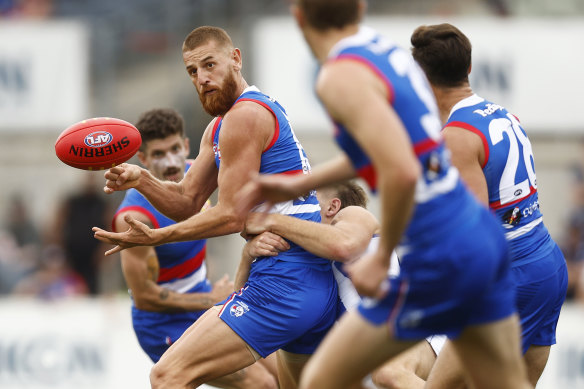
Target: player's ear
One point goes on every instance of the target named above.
(141, 157)
(334, 207)
(297, 14)
(187, 146)
(236, 57)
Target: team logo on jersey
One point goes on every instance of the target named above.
(216, 151)
(238, 309)
(512, 217)
(98, 139)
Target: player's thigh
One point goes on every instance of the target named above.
(491, 354)
(290, 366)
(207, 350)
(352, 349)
(447, 372)
(536, 358)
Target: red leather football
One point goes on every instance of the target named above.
(98, 143)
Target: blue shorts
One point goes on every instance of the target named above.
(284, 305)
(541, 291)
(156, 331)
(459, 280)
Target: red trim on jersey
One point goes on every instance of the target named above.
(425, 146)
(215, 127)
(184, 269)
(230, 300)
(276, 130)
(475, 130)
(136, 208)
(369, 175)
(400, 300)
(497, 204)
(291, 172)
(375, 69)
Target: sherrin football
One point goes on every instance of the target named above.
(98, 143)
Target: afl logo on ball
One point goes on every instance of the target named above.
(98, 139)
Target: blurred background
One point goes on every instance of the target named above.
(64, 307)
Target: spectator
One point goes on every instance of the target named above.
(53, 278)
(79, 213)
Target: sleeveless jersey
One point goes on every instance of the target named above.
(284, 155)
(441, 200)
(182, 264)
(509, 171)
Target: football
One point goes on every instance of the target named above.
(98, 143)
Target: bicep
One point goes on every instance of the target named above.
(358, 226)
(465, 148)
(201, 179)
(242, 141)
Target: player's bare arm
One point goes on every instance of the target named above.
(246, 131)
(378, 130)
(180, 200)
(264, 245)
(344, 240)
(277, 188)
(141, 269)
(468, 155)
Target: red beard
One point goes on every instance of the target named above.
(222, 100)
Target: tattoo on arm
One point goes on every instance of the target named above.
(164, 294)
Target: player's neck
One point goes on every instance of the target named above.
(321, 42)
(449, 97)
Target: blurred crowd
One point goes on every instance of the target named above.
(62, 259)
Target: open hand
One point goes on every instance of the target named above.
(139, 234)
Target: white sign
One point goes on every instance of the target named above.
(43, 75)
(530, 66)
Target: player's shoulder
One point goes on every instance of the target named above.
(354, 213)
(248, 119)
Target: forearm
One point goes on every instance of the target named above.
(397, 204)
(159, 299)
(336, 170)
(217, 221)
(243, 270)
(169, 197)
(323, 240)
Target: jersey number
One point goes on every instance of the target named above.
(508, 190)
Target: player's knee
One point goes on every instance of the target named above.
(388, 378)
(161, 377)
(267, 381)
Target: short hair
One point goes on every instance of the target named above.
(159, 123)
(326, 14)
(201, 35)
(350, 193)
(444, 53)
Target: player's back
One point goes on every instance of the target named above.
(440, 198)
(509, 170)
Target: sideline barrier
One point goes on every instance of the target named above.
(89, 344)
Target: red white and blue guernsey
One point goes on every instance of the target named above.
(537, 263)
(454, 263)
(182, 269)
(290, 300)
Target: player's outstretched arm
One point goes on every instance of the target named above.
(141, 269)
(274, 188)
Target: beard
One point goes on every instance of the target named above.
(222, 100)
